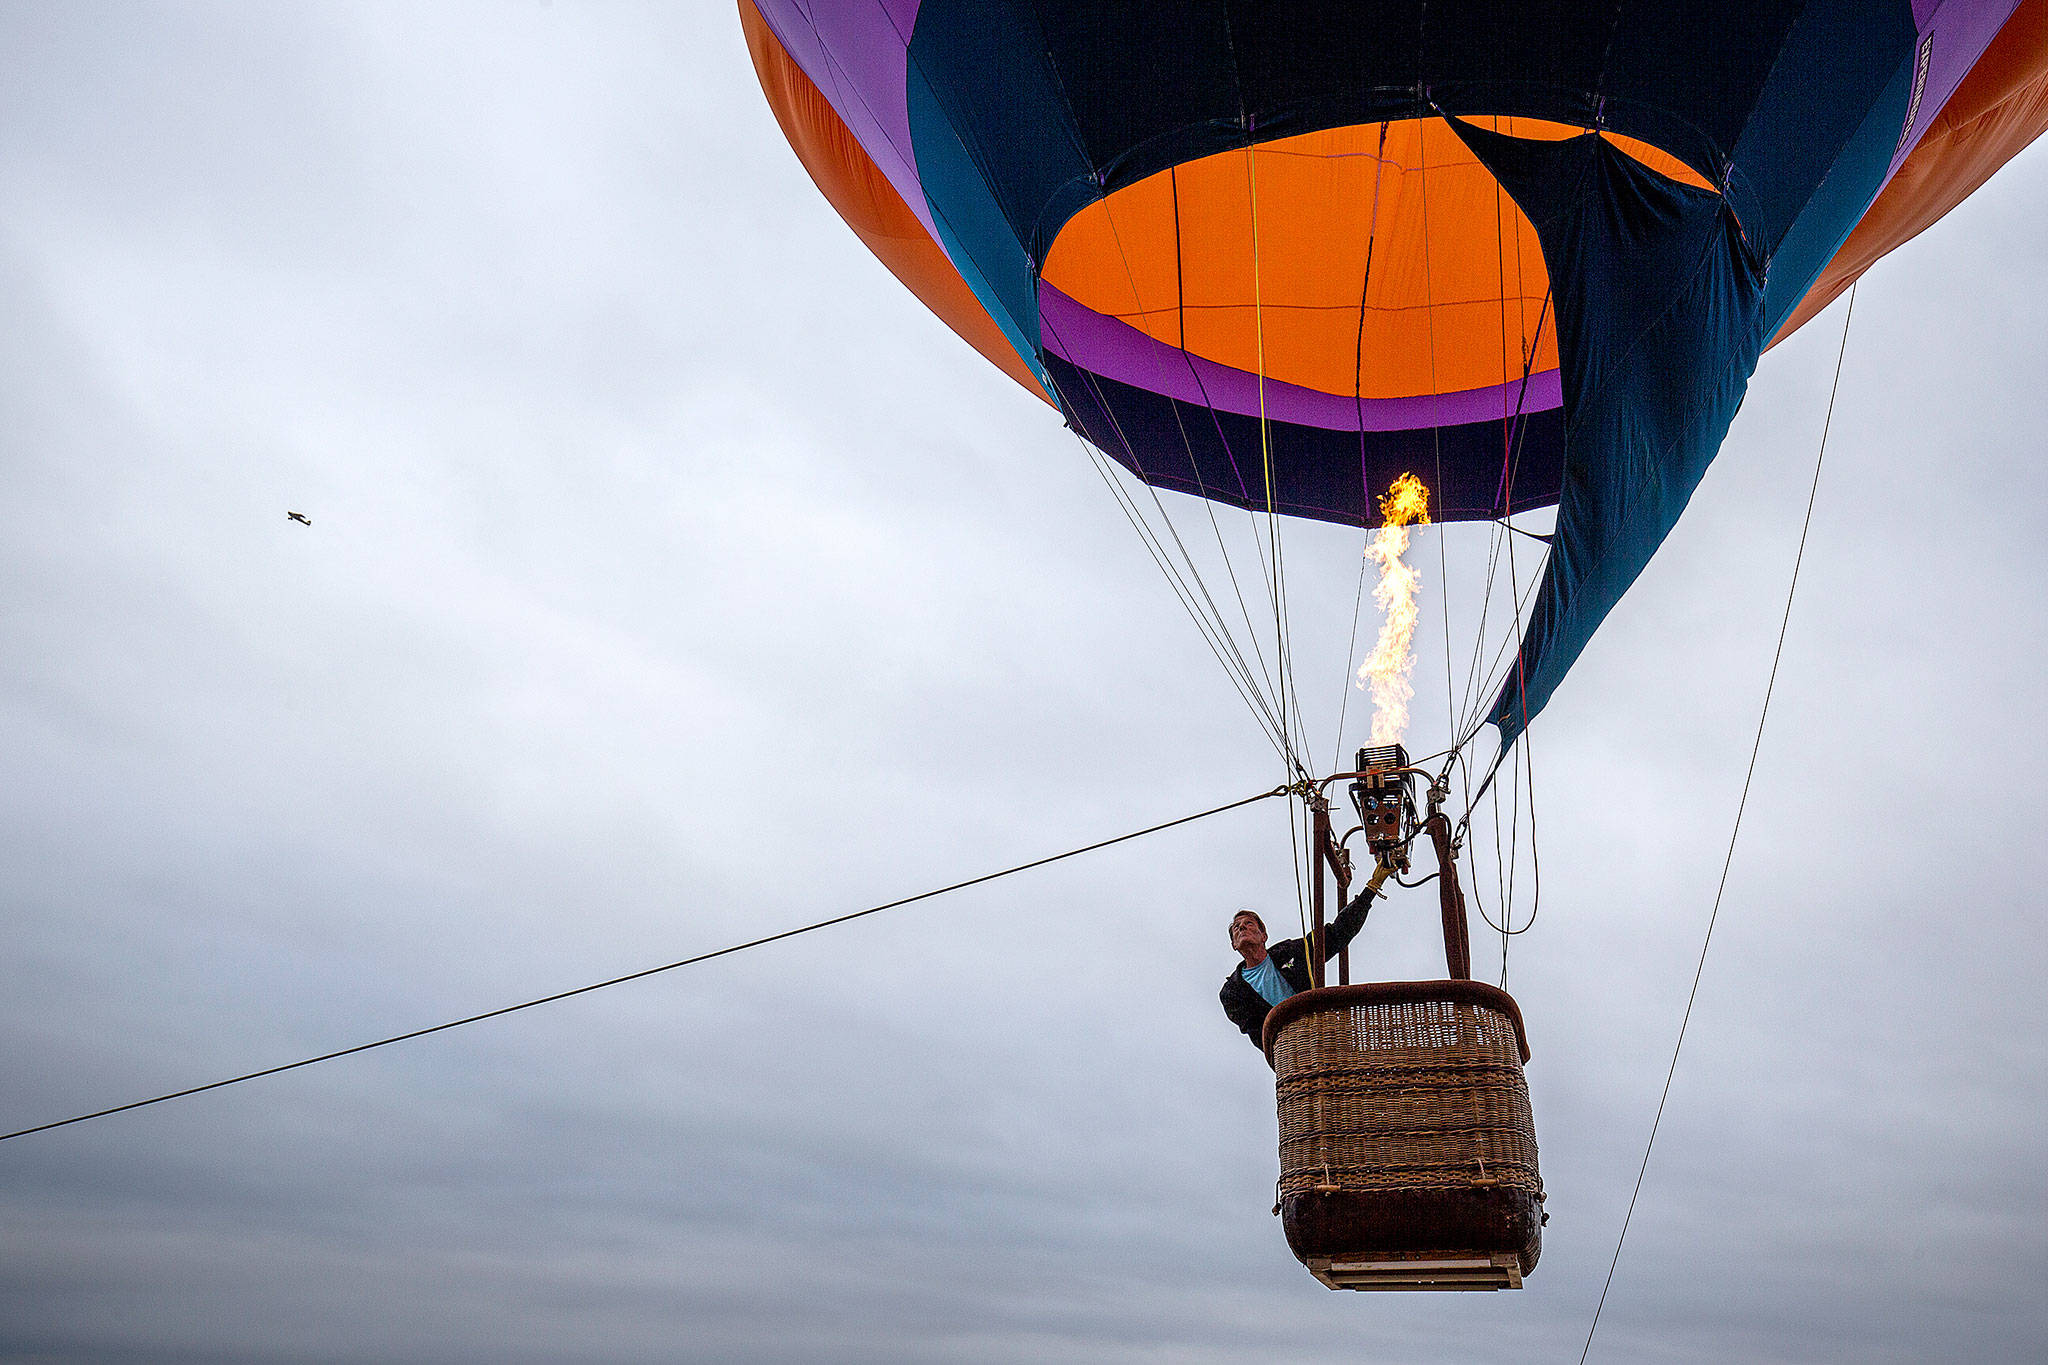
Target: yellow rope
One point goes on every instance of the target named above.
(1259, 328)
(1285, 689)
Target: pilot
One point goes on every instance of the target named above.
(1269, 975)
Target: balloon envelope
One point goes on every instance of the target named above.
(1277, 252)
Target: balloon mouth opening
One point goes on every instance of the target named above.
(1376, 261)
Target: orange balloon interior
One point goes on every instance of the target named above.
(1379, 260)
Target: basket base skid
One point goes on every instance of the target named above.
(1449, 1271)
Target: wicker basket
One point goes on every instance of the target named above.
(1407, 1149)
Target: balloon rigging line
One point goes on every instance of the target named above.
(1453, 711)
(1230, 569)
(1283, 659)
(1784, 623)
(1194, 466)
(1181, 593)
(1436, 433)
(1528, 362)
(1500, 864)
(1222, 626)
(1237, 672)
(1507, 869)
(1187, 446)
(1535, 854)
(1475, 688)
(1462, 728)
(1223, 552)
(1500, 882)
(1215, 633)
(1469, 721)
(1515, 627)
(1289, 699)
(1275, 724)
(1351, 646)
(1471, 718)
(647, 972)
(1436, 406)
(1283, 615)
(1503, 881)
(1513, 432)
(1497, 672)
(1504, 656)
(1525, 771)
(1372, 226)
(1511, 464)
(1468, 725)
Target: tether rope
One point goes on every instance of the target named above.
(1812, 493)
(645, 972)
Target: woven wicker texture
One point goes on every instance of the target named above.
(1409, 1095)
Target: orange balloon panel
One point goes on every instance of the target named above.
(1379, 260)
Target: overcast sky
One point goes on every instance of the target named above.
(674, 578)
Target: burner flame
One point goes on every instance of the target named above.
(1385, 671)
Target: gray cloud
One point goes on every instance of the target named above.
(675, 579)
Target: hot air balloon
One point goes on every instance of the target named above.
(1276, 254)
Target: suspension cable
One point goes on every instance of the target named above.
(648, 971)
(1283, 658)
(1270, 705)
(1289, 701)
(1294, 761)
(1728, 859)
(1214, 630)
(1214, 633)
(1365, 501)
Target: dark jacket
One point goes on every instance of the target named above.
(1248, 1009)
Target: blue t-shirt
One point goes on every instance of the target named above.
(1267, 981)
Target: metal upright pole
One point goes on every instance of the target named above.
(1319, 835)
(1457, 938)
(1340, 873)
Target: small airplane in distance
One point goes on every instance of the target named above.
(301, 518)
